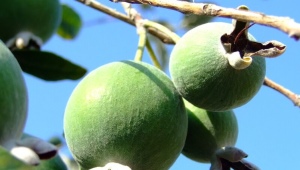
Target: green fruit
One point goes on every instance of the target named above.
(13, 99)
(40, 17)
(128, 113)
(55, 163)
(203, 76)
(207, 132)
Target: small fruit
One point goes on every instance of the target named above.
(41, 18)
(202, 72)
(128, 113)
(13, 99)
(208, 132)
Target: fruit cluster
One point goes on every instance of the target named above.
(131, 113)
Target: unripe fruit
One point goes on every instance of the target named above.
(128, 113)
(208, 132)
(39, 17)
(201, 72)
(13, 99)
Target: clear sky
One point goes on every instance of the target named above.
(269, 128)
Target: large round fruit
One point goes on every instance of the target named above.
(208, 132)
(128, 113)
(40, 17)
(13, 99)
(202, 74)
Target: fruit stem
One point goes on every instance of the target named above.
(163, 29)
(141, 44)
(152, 55)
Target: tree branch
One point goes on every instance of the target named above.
(289, 94)
(285, 24)
(213, 10)
(109, 11)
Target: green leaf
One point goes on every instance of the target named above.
(48, 66)
(70, 24)
(7, 161)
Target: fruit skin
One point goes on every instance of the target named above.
(13, 99)
(40, 17)
(207, 132)
(203, 76)
(125, 112)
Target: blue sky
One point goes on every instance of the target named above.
(269, 128)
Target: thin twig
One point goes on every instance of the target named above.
(152, 55)
(284, 24)
(141, 30)
(289, 94)
(109, 11)
(141, 45)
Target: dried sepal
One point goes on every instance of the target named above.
(24, 40)
(231, 153)
(26, 155)
(238, 41)
(237, 62)
(249, 165)
(269, 49)
(216, 163)
(234, 21)
(229, 157)
(42, 148)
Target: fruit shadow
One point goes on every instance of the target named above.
(147, 72)
(200, 142)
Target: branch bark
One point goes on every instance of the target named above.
(285, 24)
(286, 92)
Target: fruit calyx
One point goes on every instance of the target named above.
(231, 157)
(240, 49)
(24, 40)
